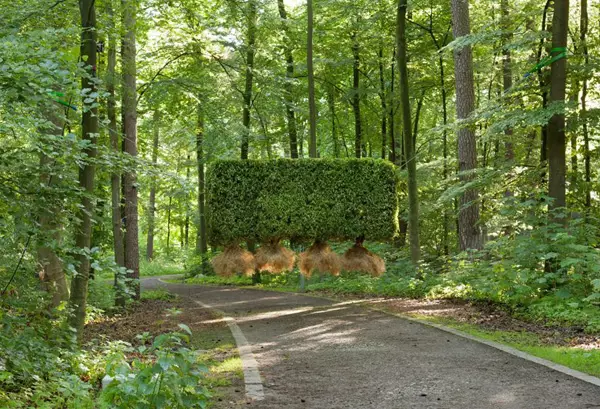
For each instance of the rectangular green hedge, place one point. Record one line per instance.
(328, 199)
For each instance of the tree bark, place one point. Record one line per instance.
(584, 90)
(334, 133)
(384, 111)
(289, 78)
(250, 51)
(132, 256)
(409, 148)
(468, 218)
(115, 144)
(52, 273)
(556, 128)
(392, 153)
(356, 96)
(152, 200)
(312, 107)
(201, 241)
(89, 131)
(509, 154)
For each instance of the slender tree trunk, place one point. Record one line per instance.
(334, 133)
(152, 200)
(468, 218)
(356, 96)
(543, 82)
(384, 112)
(312, 107)
(250, 51)
(89, 131)
(445, 240)
(169, 211)
(409, 148)
(392, 154)
(556, 129)
(187, 204)
(132, 256)
(509, 154)
(52, 272)
(115, 144)
(289, 77)
(584, 90)
(201, 242)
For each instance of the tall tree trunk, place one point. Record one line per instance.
(169, 212)
(468, 218)
(445, 241)
(187, 204)
(334, 134)
(384, 112)
(392, 154)
(356, 96)
(584, 90)
(509, 153)
(543, 82)
(132, 256)
(409, 148)
(115, 144)
(251, 15)
(89, 130)
(152, 200)
(312, 107)
(556, 128)
(52, 272)
(201, 240)
(289, 78)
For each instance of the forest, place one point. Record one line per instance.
(134, 134)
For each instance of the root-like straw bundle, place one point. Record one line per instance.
(359, 259)
(232, 260)
(321, 258)
(274, 258)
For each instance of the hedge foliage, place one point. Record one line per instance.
(304, 199)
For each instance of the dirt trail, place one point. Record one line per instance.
(319, 354)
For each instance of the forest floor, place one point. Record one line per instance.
(315, 352)
(160, 312)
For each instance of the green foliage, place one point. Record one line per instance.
(171, 379)
(159, 294)
(302, 199)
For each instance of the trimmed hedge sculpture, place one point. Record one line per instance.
(300, 199)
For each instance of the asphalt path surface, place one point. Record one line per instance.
(318, 353)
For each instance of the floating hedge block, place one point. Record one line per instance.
(303, 199)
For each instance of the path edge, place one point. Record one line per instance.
(252, 378)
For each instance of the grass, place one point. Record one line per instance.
(159, 294)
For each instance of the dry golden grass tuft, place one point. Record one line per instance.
(233, 260)
(274, 258)
(359, 259)
(319, 257)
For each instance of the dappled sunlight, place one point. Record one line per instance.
(272, 314)
(503, 397)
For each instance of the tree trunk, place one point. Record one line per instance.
(384, 113)
(250, 51)
(312, 107)
(584, 90)
(468, 218)
(509, 153)
(132, 256)
(334, 134)
(445, 240)
(152, 200)
(169, 211)
(115, 144)
(356, 96)
(392, 154)
(52, 273)
(543, 82)
(409, 148)
(289, 78)
(186, 233)
(89, 131)
(201, 241)
(556, 128)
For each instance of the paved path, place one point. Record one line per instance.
(318, 354)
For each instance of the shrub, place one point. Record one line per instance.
(301, 199)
